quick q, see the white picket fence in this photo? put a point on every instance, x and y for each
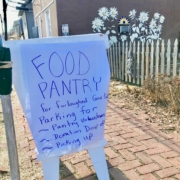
(159, 57)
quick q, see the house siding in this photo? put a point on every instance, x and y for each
(79, 14)
(39, 8)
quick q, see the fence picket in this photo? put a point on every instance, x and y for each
(175, 57)
(117, 62)
(168, 58)
(157, 58)
(162, 57)
(119, 70)
(147, 59)
(113, 60)
(130, 49)
(138, 61)
(142, 64)
(115, 65)
(123, 60)
(152, 59)
(110, 52)
(126, 56)
(134, 62)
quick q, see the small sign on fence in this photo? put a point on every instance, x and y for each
(65, 29)
(65, 97)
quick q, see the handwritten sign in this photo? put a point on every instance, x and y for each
(67, 87)
(18, 76)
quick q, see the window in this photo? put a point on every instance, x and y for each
(48, 23)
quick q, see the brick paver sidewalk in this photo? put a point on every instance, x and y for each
(136, 149)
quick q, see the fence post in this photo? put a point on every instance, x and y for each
(122, 61)
(152, 59)
(114, 59)
(126, 57)
(168, 57)
(175, 58)
(109, 59)
(134, 62)
(157, 58)
(142, 64)
(111, 64)
(138, 61)
(117, 62)
(162, 57)
(147, 59)
(119, 70)
(130, 50)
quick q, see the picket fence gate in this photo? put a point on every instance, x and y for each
(159, 57)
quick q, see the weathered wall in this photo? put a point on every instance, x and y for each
(80, 14)
(36, 7)
(39, 8)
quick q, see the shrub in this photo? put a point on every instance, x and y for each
(163, 90)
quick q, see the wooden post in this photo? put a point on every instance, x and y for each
(152, 59)
(122, 68)
(110, 57)
(157, 58)
(134, 62)
(130, 50)
(114, 59)
(138, 61)
(168, 58)
(162, 57)
(126, 57)
(142, 64)
(147, 59)
(117, 64)
(119, 70)
(175, 53)
(112, 72)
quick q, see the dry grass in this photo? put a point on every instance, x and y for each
(163, 90)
